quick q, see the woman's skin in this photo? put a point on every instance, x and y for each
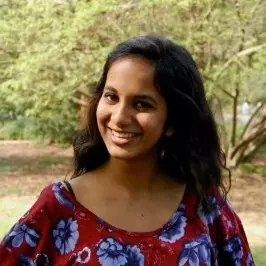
(129, 191)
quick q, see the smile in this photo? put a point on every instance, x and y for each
(122, 137)
(121, 134)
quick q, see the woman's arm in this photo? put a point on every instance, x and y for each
(24, 241)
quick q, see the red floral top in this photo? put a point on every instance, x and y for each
(58, 230)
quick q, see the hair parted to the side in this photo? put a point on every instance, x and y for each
(192, 154)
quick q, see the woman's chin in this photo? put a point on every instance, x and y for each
(123, 154)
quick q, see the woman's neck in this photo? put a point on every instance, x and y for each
(132, 177)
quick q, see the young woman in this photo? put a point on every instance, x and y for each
(147, 185)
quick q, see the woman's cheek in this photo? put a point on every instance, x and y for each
(102, 112)
(151, 122)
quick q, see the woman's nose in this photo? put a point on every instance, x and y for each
(122, 115)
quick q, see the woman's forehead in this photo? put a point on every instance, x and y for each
(132, 74)
(137, 65)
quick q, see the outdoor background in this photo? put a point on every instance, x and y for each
(52, 52)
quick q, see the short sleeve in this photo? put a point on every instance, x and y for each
(28, 236)
(231, 241)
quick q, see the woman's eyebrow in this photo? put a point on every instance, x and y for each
(110, 88)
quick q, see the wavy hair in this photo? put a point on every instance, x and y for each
(193, 153)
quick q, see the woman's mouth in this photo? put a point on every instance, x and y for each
(122, 137)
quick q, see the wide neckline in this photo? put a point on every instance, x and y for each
(87, 212)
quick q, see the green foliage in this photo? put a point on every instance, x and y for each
(17, 129)
(42, 66)
(50, 49)
(262, 150)
(253, 169)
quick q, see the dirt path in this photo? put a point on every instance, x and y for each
(11, 148)
(247, 194)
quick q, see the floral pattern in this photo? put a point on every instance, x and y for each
(113, 253)
(19, 233)
(110, 252)
(84, 255)
(250, 261)
(196, 252)
(56, 235)
(234, 250)
(25, 261)
(208, 217)
(134, 256)
(61, 198)
(42, 260)
(175, 229)
(66, 235)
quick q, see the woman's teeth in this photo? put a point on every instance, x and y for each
(123, 134)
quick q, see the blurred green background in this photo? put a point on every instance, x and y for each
(51, 56)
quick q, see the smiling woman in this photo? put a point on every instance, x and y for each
(131, 113)
(146, 187)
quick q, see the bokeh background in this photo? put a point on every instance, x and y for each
(52, 52)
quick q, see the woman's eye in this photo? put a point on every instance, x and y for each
(143, 105)
(110, 97)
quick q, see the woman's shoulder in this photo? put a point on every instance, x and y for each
(222, 219)
(30, 233)
(49, 204)
(219, 202)
(84, 186)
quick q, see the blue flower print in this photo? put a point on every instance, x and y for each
(250, 261)
(176, 227)
(6, 240)
(66, 235)
(21, 232)
(134, 256)
(234, 250)
(208, 217)
(61, 198)
(113, 253)
(196, 252)
(25, 261)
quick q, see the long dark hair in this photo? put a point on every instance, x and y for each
(192, 154)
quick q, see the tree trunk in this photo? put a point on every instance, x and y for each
(253, 137)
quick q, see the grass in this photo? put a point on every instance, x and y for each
(259, 255)
(262, 150)
(11, 209)
(17, 195)
(249, 168)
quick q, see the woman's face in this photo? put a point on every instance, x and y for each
(131, 113)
